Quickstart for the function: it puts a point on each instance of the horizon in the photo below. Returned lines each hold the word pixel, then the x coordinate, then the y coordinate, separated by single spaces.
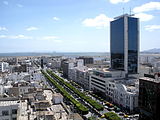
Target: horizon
pixel 63 26
pixel 71 51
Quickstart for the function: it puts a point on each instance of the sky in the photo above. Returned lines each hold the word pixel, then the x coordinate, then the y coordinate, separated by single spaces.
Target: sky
pixel 72 25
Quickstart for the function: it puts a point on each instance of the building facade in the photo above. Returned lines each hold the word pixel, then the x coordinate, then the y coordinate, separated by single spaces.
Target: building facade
pixel 87 60
pixel 69 64
pixel 115 88
pixel 124 32
pixel 149 98
pixel 8 110
pixel 4 67
pixel 80 75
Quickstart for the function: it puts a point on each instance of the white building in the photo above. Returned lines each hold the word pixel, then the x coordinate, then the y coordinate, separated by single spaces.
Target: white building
pixel 72 74
pixel 8 110
pixel 4 67
pixel 113 84
pixel 99 78
pixel 1 90
pixel 70 64
pixel 19 76
pixel 125 96
pixel 80 74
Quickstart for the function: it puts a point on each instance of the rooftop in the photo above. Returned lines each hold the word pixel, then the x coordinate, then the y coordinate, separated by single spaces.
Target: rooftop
pixel 57 95
pixel 127 15
pixel 8 103
pixel 151 79
pixel 45 113
pixel 57 109
pixel 107 70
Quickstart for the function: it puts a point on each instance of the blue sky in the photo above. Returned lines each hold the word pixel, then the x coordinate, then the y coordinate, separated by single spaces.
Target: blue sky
pixel 72 25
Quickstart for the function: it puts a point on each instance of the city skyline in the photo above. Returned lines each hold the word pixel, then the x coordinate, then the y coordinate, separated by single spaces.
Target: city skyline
pixel 72 26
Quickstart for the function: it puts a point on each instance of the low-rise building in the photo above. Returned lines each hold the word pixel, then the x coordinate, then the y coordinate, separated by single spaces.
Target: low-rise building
pixel 8 109
pixel 115 87
pixel 41 105
pixel 4 67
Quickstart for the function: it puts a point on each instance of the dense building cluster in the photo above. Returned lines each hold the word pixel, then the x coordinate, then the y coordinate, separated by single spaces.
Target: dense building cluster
pixel 123 85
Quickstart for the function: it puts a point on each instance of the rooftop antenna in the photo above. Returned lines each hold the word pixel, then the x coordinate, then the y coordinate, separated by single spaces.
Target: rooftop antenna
pixel 130 11
pixel 131 14
pixel 123 10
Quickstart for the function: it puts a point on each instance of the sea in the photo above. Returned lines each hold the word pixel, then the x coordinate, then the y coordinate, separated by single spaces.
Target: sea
pixel 67 54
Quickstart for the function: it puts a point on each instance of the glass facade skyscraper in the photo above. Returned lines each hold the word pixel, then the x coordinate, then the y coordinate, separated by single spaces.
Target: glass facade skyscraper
pixel 125 44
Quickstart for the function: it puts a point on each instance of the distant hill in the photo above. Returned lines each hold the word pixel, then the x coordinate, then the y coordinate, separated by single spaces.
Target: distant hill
pixel 154 50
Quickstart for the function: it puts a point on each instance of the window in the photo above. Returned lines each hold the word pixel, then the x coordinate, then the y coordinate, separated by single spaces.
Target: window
pixel 14 111
pixel 5 113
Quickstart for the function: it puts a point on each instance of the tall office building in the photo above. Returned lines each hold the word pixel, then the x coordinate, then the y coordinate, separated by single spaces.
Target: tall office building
pixel 149 98
pixel 124 32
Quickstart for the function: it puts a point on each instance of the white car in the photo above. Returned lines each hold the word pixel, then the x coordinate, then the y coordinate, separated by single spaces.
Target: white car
pixel 106 107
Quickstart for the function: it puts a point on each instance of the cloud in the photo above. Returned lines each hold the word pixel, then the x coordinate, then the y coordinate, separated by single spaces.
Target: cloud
pixel 19 5
pixel 5 2
pixel 2 36
pixel 118 1
pixel 152 27
pixel 56 18
pixel 99 21
pixel 20 37
pixel 44 38
pixel 50 37
pixel 144 16
pixel 31 28
pixel 3 29
pixel 16 37
pixel 57 41
pixel 147 7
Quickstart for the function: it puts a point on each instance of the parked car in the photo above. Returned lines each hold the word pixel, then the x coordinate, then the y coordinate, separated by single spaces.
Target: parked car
pixel 103 116
pixel 121 114
pixel 125 116
pixel 106 107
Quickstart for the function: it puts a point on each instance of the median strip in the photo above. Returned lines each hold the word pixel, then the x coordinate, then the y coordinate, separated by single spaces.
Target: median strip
pixel 83 109
pixel 88 99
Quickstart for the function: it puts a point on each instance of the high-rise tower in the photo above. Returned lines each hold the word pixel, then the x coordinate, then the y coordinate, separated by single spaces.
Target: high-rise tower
pixel 124 32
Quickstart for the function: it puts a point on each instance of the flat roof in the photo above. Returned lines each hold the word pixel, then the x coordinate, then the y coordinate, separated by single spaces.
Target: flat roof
pixel 45 112
pixel 151 79
pixel 57 109
pixel 8 103
pixel 128 15
pixel 107 70
pixel 57 94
